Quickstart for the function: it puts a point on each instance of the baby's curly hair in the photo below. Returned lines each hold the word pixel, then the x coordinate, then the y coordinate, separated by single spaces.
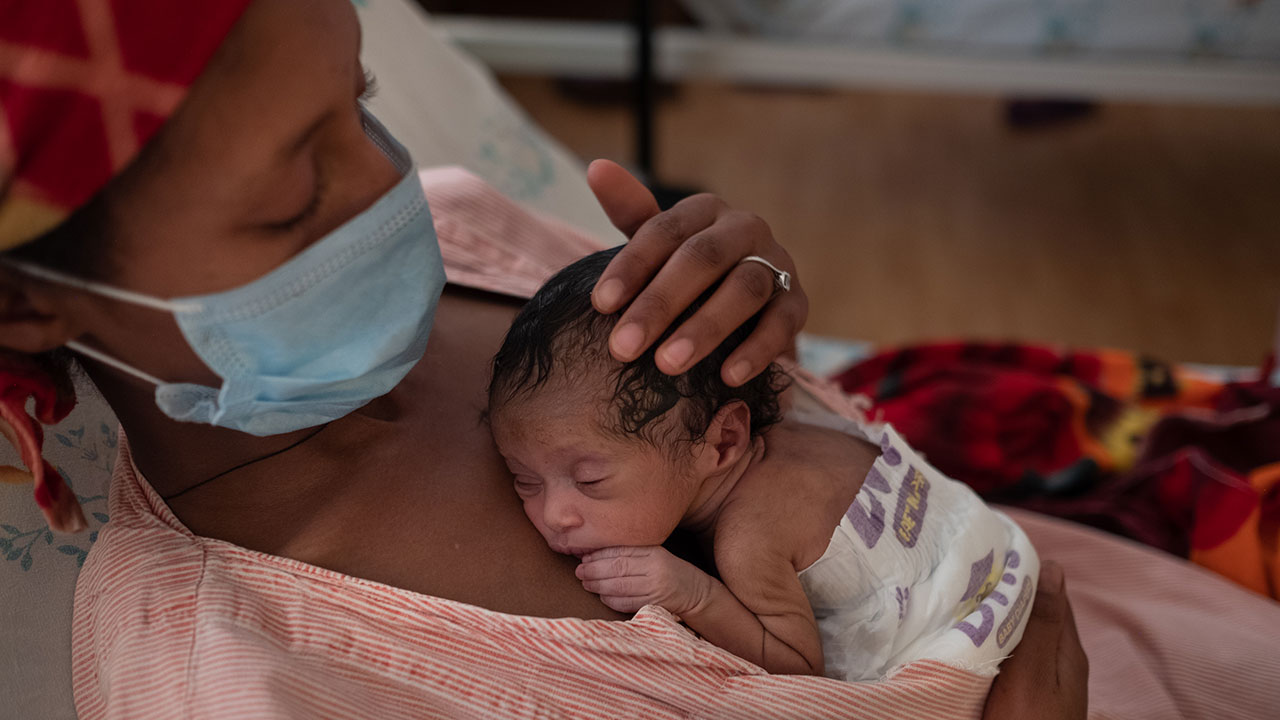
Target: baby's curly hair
pixel 558 331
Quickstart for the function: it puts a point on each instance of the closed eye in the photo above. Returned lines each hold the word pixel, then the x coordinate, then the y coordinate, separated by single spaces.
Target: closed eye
pixel 592 487
pixel 525 486
pixel 294 222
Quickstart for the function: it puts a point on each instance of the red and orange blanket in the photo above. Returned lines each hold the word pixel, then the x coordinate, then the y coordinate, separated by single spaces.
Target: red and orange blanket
pixel 1167 455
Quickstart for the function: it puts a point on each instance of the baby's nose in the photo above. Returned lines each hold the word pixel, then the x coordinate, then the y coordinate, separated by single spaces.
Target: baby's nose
pixel 560 515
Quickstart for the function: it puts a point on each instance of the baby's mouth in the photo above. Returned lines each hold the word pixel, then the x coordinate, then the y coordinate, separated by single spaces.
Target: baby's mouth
pixel 576 552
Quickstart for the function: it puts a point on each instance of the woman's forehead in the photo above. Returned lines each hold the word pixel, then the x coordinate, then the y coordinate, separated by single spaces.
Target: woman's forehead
pixel 280 65
pixel 222 162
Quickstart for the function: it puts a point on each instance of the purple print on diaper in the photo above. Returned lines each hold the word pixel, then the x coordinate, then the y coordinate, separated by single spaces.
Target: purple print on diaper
pixel 1015 615
pixel 869 522
pixel 904 597
pixel 978 574
pixel 982 586
pixel 913 500
pixel 979 633
pixel 876 481
pixel 890 453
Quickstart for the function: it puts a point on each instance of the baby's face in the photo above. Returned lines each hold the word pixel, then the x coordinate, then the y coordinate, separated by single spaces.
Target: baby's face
pixel 583 488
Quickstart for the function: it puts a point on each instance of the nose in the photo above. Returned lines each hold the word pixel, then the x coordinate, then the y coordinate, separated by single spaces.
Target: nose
pixel 559 512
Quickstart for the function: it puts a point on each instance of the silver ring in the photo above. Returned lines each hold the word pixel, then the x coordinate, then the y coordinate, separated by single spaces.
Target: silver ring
pixel 781 278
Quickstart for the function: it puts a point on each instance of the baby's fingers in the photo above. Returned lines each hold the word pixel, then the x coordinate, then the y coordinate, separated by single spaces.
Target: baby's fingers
pixel 618 562
pixel 629 605
pixel 604 568
pixel 633 586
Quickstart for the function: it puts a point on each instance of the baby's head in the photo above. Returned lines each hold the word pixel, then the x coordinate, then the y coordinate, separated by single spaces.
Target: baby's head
pixel 607 453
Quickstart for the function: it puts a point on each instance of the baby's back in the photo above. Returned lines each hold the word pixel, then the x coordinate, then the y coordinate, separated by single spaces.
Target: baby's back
pixel 898 561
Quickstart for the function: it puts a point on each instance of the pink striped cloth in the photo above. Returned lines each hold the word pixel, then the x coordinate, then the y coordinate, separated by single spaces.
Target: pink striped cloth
pixel 170 624
pixel 1166 639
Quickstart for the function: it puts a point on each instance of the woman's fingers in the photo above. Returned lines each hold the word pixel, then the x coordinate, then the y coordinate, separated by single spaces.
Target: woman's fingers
pixel 1048 674
pixel 745 290
pixel 675 236
pixel 672 258
pixel 671 261
pixel 748 287
pixel 684 268
pixel 1074 670
pixel 625 200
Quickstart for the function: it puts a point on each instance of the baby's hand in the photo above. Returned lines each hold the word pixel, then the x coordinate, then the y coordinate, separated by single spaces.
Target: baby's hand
pixel 628 578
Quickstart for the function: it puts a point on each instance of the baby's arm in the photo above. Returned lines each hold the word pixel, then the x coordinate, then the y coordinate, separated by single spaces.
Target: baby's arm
pixel 766 619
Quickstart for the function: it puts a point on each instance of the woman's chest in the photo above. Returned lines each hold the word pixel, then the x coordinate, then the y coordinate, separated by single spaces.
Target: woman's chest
pixel 416 496
pixel 455 529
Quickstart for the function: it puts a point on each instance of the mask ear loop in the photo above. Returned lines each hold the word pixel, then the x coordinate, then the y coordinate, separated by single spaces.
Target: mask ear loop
pixel 129 296
pixel 117 364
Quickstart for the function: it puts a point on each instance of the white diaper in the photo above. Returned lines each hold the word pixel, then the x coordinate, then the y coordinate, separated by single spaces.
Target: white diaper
pixel 919 567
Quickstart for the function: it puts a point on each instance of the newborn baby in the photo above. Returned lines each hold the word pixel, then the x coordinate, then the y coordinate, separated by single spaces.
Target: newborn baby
pixel 837 550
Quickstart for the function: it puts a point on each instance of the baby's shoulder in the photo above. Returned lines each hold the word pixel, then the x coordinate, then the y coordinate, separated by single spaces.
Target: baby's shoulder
pixel 793 497
pixel 797 446
pixel 770 512
pixel 813 466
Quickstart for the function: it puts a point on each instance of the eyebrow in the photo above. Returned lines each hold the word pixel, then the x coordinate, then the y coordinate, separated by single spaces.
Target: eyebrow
pixel 588 460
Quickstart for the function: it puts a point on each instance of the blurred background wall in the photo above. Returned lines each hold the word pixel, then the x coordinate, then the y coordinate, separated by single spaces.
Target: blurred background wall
pixel 923 213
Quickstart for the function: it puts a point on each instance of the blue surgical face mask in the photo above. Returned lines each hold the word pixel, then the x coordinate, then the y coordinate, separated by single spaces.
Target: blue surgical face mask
pixel 334 327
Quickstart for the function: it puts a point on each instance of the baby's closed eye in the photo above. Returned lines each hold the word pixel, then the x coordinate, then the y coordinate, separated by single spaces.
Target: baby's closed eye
pixel 526 485
pixel 595 487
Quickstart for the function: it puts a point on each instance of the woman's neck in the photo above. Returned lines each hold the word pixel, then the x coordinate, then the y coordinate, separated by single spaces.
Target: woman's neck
pixel 174 456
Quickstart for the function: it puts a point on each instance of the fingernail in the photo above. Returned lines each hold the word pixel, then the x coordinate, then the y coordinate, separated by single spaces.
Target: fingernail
pixel 609 294
pixel 678 353
pixel 738 373
pixel 626 341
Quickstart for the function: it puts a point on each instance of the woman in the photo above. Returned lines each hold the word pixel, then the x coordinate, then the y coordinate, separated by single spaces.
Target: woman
pixel 190 263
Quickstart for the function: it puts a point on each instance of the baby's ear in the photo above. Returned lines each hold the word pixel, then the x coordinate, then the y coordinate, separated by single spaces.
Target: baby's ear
pixel 729 434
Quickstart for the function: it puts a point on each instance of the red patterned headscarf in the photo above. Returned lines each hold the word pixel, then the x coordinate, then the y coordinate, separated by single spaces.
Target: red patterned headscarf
pixel 84 84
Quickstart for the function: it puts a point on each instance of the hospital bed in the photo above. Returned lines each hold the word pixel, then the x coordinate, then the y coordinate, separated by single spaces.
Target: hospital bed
pixel 1203 51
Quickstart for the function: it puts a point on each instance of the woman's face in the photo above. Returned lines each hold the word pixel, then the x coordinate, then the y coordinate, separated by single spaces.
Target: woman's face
pixel 265 156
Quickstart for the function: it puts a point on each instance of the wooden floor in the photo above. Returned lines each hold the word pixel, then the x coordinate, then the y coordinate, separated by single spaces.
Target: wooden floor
pixel 913 217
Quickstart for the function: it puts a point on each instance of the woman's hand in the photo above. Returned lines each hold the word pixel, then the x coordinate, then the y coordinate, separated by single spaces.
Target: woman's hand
pixel 1048 674
pixel 628 578
pixel 672 257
